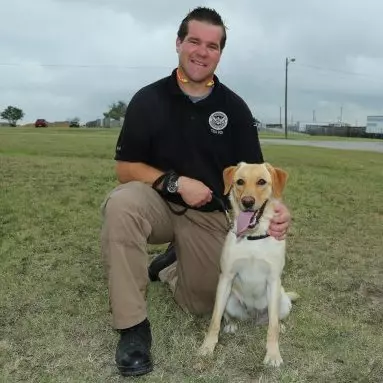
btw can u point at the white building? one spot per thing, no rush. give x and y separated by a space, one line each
374 124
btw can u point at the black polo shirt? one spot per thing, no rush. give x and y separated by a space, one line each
165 129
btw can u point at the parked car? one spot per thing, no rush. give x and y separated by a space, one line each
74 124
41 123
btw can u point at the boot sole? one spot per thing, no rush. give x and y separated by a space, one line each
136 371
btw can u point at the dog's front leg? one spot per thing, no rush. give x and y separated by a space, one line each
273 356
222 295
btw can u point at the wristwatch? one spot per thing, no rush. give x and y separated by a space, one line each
172 184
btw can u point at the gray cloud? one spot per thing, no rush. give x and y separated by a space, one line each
63 58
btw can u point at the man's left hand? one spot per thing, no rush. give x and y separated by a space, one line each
280 223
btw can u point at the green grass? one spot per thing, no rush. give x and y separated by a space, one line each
54 319
65 131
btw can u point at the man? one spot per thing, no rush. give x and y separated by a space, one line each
178 136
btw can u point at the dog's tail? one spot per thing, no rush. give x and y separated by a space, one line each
292 295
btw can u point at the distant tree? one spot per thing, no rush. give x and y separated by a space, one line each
74 119
12 114
116 110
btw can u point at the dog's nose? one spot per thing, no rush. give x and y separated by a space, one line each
248 202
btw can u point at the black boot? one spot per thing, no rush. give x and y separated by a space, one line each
161 262
133 350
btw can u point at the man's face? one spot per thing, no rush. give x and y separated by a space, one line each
199 53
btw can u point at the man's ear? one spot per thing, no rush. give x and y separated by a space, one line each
279 179
228 176
178 43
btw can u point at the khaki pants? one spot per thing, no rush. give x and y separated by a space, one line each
135 215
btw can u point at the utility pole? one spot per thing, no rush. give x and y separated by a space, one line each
286 70
287 64
280 116
314 118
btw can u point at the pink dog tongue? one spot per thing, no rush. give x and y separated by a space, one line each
243 221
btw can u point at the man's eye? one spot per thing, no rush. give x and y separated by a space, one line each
240 182
261 182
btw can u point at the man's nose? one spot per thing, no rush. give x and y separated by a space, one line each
202 50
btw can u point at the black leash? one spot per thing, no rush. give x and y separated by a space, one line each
258 214
225 210
162 190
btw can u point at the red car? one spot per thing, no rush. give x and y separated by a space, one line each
41 123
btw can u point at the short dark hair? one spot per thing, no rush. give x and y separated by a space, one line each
204 14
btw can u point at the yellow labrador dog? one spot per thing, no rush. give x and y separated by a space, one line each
251 261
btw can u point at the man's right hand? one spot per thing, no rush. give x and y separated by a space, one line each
194 192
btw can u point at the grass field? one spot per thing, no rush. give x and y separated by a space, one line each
54 319
263 133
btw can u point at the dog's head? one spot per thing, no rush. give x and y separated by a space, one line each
250 185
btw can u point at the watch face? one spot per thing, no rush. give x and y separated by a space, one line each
172 186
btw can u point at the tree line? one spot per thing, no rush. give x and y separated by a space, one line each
12 114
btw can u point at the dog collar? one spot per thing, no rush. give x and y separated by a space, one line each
256 237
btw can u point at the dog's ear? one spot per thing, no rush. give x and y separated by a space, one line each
279 179
228 175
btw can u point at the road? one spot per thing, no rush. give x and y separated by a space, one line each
373 146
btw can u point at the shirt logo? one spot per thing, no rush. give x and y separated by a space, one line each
218 121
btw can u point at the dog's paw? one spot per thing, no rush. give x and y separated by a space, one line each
206 349
273 359
230 328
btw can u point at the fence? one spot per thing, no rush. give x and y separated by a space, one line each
277 130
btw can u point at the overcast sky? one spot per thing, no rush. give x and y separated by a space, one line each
65 58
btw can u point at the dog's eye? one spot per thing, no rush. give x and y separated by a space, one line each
261 182
240 182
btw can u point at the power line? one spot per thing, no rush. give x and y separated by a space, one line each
338 71
148 67
86 66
